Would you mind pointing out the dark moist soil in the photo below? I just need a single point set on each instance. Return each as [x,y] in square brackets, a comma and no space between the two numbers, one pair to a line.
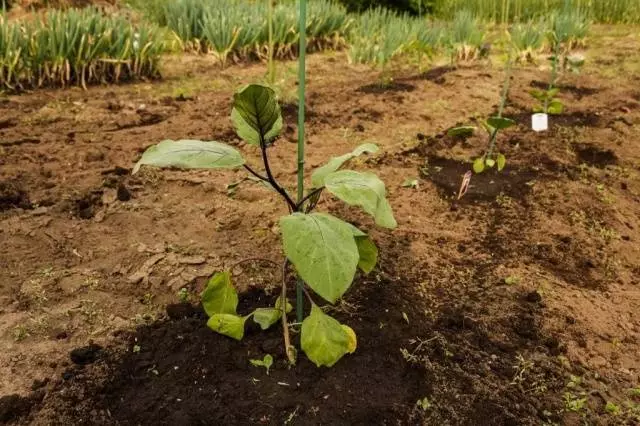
[178,372]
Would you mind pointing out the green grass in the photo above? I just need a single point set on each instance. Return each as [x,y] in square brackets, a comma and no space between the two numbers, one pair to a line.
[503,11]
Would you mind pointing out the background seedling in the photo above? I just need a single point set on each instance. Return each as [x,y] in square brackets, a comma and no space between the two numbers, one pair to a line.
[493,125]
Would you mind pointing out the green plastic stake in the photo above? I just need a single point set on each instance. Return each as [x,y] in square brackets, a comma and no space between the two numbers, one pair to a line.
[302,21]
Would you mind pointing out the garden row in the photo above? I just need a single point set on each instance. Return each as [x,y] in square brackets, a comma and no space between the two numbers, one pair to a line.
[82,46]
[86,46]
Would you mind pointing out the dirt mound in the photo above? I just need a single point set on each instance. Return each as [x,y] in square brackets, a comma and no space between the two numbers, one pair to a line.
[406,369]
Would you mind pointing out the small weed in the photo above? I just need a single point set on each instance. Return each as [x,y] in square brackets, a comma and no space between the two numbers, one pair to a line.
[20,332]
[410,183]
[512,280]
[504,201]
[574,403]
[423,403]
[183,295]
[612,408]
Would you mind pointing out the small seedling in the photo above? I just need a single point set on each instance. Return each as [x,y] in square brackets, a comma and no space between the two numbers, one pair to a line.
[492,125]
[410,183]
[265,362]
[423,403]
[183,295]
[136,349]
[548,102]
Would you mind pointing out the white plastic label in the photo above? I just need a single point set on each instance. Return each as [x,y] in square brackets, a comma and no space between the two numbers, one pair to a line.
[539,122]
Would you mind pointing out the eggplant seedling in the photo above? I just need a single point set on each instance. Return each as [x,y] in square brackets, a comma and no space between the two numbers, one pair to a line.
[324,250]
[493,126]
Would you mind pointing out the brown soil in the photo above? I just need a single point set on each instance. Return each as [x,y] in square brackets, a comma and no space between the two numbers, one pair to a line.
[91,256]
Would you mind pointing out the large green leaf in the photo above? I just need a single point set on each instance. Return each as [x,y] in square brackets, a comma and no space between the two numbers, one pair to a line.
[220,297]
[256,114]
[323,250]
[367,250]
[191,154]
[324,339]
[365,190]
[500,123]
[228,324]
[368,254]
[555,107]
[266,317]
[318,176]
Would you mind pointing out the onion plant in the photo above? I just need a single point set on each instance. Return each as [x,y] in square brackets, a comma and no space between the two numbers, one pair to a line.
[237,29]
[77,46]
[465,36]
[528,39]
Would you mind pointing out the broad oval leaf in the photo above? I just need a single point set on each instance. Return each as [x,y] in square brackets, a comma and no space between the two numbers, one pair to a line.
[318,176]
[190,154]
[256,114]
[368,254]
[490,162]
[323,250]
[266,317]
[500,123]
[220,297]
[555,107]
[228,324]
[324,339]
[501,160]
[367,250]
[540,95]
[478,165]
[365,190]
[552,92]
[461,131]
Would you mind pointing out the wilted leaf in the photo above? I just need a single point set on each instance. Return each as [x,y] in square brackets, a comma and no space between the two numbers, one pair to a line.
[266,317]
[324,339]
[190,154]
[228,324]
[256,114]
[365,190]
[323,250]
[220,297]
[318,176]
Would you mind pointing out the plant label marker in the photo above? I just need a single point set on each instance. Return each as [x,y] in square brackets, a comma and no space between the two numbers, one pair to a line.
[539,122]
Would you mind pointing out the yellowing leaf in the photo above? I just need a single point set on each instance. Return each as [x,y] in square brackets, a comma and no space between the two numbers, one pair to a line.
[478,165]
[228,324]
[220,297]
[502,161]
[324,339]
[353,340]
